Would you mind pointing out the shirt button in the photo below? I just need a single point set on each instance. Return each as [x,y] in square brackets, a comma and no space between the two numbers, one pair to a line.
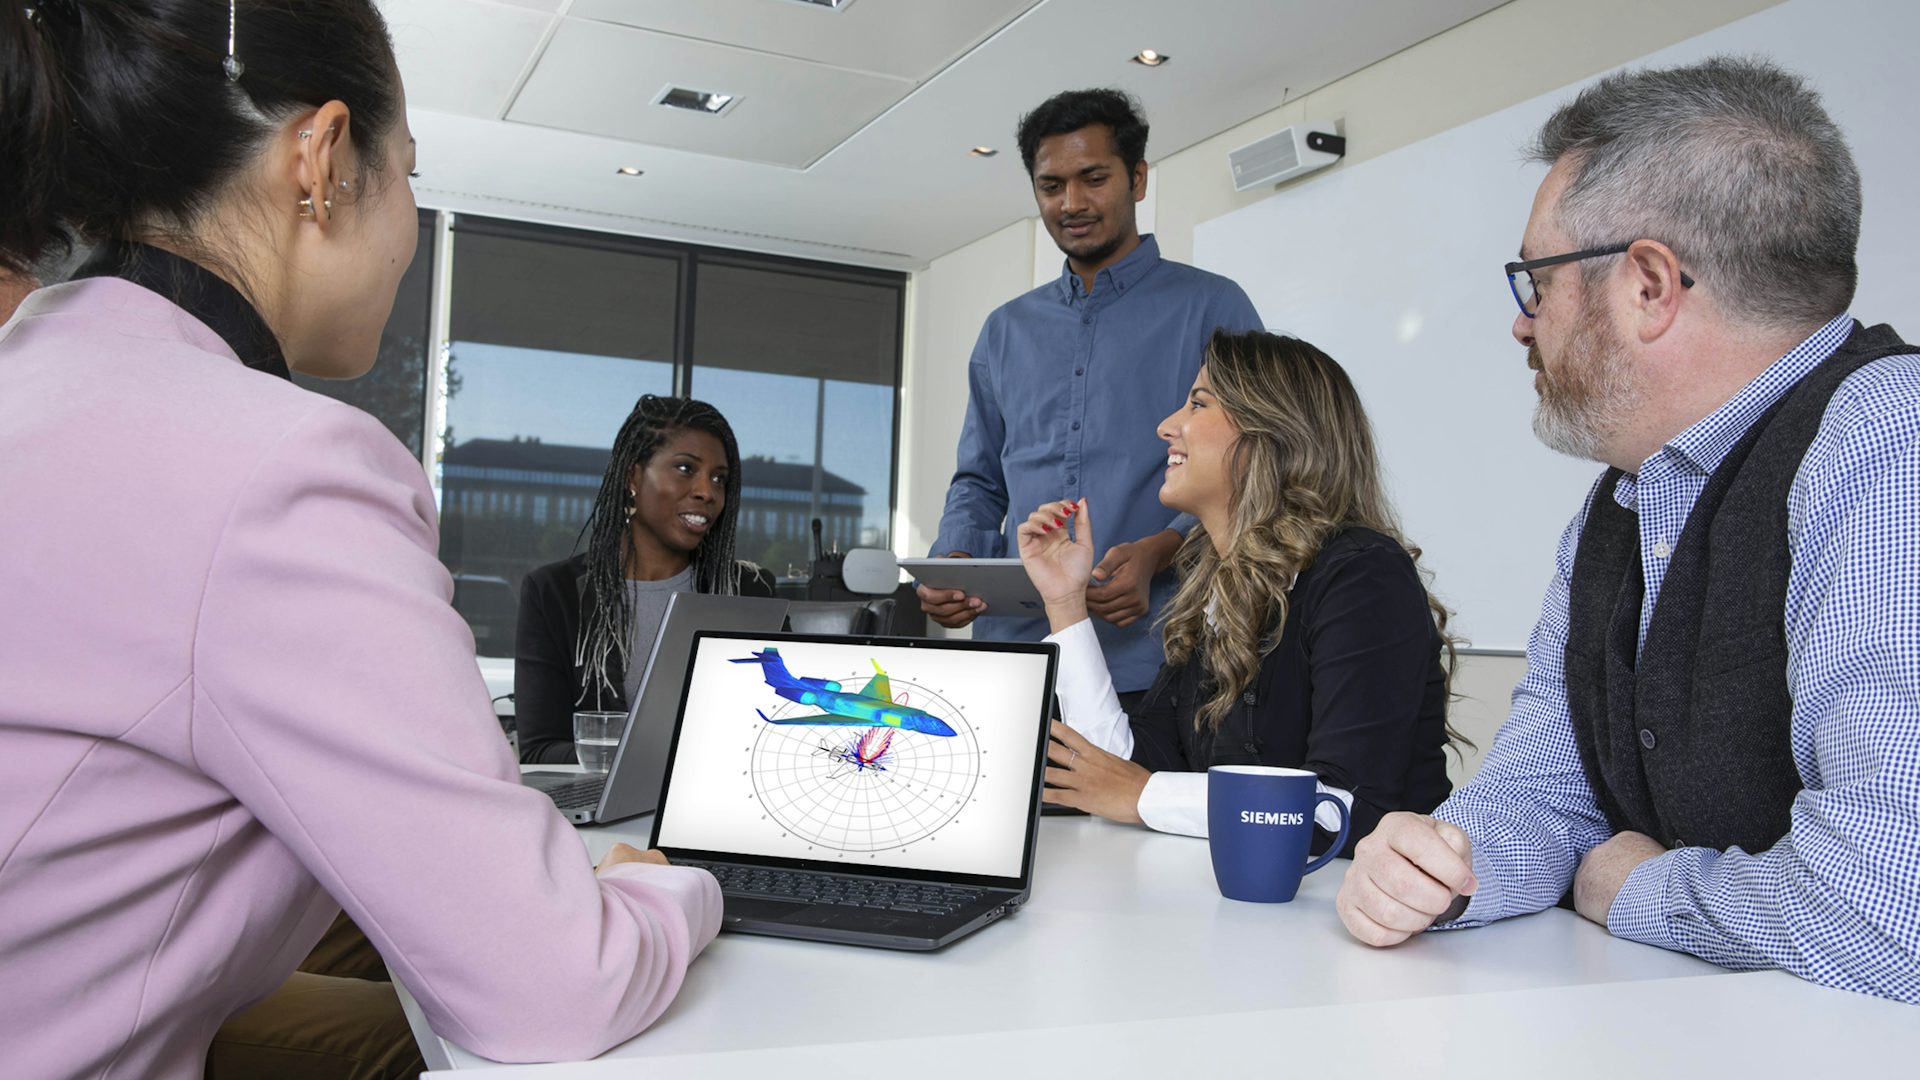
[1646,738]
[1073,479]
[1079,371]
[1662,549]
[1249,697]
[1076,425]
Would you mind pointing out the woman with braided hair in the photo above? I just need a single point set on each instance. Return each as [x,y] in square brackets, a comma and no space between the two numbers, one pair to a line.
[663,523]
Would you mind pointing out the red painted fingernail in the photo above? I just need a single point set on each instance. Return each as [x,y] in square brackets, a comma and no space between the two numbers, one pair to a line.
[1046,528]
[1059,521]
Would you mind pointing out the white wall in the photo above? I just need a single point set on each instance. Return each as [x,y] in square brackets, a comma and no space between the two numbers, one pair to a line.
[946,304]
[1509,55]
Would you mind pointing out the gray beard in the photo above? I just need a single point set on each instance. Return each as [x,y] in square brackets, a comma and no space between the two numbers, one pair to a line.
[1581,415]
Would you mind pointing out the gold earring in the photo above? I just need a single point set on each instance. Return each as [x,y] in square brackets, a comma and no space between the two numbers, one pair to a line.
[632,497]
[306,207]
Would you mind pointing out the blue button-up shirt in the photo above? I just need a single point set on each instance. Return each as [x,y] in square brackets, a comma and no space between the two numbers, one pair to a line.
[1837,900]
[1065,393]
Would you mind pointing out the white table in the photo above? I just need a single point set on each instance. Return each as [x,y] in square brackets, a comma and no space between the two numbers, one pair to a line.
[1127,956]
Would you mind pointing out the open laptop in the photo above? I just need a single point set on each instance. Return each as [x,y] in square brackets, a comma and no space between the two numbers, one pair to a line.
[868,790]
[631,785]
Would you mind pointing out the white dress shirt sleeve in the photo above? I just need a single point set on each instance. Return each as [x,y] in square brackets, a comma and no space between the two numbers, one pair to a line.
[1087,700]
[1172,802]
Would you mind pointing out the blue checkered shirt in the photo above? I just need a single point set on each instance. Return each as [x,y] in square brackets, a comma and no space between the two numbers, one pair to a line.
[1837,900]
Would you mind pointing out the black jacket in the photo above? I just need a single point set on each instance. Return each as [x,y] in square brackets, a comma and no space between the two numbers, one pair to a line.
[546,683]
[1354,690]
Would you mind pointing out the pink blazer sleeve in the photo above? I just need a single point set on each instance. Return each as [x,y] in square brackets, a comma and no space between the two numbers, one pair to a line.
[336,695]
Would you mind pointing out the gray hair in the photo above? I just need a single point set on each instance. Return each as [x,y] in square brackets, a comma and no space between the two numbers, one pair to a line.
[1735,165]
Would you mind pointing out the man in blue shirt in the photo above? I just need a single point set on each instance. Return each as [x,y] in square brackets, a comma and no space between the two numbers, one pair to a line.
[1068,383]
[1717,742]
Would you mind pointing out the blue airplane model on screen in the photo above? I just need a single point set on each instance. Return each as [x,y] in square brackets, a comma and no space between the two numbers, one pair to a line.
[872,707]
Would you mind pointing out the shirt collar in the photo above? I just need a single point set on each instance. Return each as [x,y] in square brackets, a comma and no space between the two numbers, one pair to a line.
[197,291]
[1117,278]
[1705,444]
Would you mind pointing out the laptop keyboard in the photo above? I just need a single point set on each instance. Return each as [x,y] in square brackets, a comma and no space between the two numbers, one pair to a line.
[799,886]
[582,794]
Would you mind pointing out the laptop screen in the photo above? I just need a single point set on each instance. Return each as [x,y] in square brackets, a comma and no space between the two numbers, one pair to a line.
[871,755]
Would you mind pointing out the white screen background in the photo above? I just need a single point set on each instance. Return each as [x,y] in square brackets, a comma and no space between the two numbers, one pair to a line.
[951,803]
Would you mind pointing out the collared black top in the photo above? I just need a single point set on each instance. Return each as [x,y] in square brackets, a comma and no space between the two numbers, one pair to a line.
[1353,691]
[554,604]
[199,292]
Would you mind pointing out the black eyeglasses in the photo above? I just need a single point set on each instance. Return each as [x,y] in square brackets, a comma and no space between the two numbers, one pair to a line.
[1526,292]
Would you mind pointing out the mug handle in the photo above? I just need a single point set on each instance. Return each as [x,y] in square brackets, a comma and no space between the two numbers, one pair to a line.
[1339,841]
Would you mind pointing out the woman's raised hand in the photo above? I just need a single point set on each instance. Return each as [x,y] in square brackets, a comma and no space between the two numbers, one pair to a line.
[1056,547]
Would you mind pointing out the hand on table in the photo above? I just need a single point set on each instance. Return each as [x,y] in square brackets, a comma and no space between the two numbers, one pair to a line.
[1406,874]
[1604,870]
[951,608]
[1088,778]
[626,853]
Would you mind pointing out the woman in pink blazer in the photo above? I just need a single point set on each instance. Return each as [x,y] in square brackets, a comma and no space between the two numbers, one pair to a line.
[233,697]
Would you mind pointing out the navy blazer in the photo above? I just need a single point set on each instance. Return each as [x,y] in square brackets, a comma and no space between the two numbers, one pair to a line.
[1354,690]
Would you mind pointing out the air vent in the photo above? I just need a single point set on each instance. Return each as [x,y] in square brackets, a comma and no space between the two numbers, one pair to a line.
[706,102]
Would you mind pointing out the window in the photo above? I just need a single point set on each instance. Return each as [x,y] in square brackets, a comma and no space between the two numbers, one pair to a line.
[395,391]
[555,333]
[809,383]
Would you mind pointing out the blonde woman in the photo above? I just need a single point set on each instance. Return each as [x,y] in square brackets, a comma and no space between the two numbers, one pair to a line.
[1302,634]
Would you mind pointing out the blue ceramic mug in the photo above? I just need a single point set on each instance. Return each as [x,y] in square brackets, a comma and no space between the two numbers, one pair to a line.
[1259,825]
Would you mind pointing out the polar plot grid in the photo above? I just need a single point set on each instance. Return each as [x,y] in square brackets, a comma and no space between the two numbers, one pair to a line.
[865,789]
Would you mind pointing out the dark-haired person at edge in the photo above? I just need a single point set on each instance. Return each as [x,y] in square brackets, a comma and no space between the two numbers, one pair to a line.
[249,704]
[1302,635]
[1716,746]
[663,523]
[1065,383]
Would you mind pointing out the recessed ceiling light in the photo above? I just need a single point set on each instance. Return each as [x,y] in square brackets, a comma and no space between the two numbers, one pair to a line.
[983,151]
[1149,58]
[711,102]
[627,170]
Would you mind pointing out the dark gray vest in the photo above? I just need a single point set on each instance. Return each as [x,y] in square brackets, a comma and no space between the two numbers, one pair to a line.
[1690,744]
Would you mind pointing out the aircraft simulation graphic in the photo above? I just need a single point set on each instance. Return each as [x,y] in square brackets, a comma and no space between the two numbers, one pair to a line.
[872,707]
[855,764]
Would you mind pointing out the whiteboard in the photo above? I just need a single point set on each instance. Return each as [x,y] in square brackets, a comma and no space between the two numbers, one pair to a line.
[1393,267]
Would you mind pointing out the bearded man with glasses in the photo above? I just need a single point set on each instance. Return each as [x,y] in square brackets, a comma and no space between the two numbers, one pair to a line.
[1716,747]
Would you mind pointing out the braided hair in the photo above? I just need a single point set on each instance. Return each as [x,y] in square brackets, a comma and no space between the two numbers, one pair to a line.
[609,528]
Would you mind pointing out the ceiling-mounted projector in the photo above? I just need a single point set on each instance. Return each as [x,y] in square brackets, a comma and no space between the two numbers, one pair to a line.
[1285,154]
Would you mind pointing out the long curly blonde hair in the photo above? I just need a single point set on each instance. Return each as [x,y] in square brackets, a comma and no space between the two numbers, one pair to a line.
[1303,468]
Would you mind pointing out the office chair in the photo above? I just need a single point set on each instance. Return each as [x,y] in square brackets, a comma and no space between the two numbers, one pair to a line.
[840,616]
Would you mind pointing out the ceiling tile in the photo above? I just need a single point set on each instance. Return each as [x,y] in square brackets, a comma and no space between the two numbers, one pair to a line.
[602,79]
[908,39]
[462,57]
[898,189]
